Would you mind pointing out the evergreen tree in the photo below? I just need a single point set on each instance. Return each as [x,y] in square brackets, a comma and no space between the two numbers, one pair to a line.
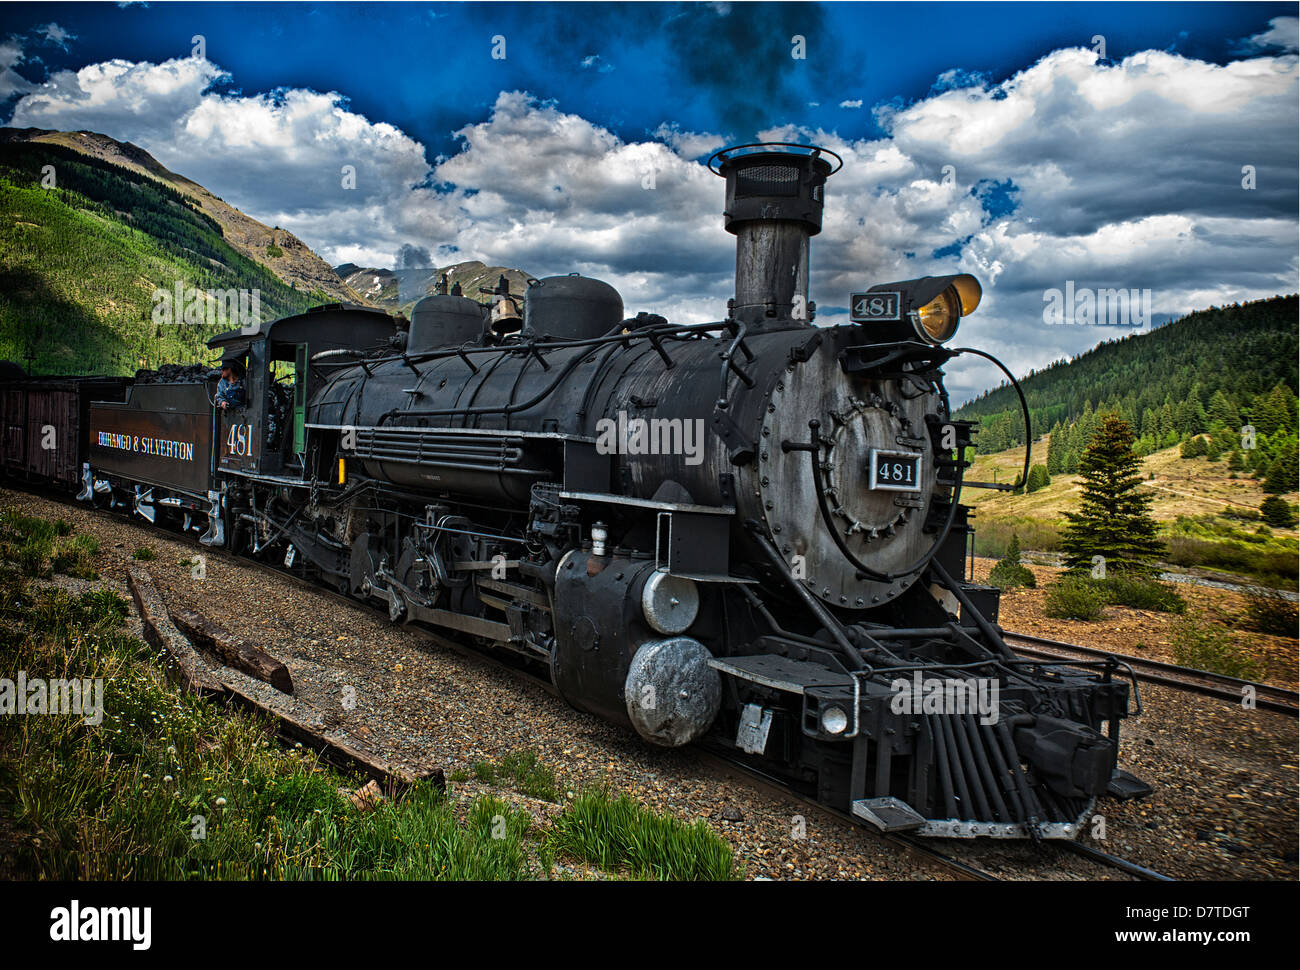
[1168,425]
[1008,572]
[1277,513]
[1235,463]
[1222,412]
[1149,424]
[1114,517]
[1038,478]
[1282,473]
[1055,452]
[1272,412]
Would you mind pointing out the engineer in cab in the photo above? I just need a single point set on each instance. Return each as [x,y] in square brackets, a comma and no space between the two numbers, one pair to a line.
[230,389]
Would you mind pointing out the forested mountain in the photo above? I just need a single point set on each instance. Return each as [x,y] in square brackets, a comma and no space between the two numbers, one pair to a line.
[279,250]
[1197,380]
[84,246]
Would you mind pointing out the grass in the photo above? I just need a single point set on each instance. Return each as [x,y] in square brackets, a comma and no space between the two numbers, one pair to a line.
[1202,646]
[172,787]
[40,548]
[1215,542]
[1267,611]
[618,834]
[125,799]
[1074,598]
[1274,566]
[993,536]
[1078,597]
[523,771]
[144,554]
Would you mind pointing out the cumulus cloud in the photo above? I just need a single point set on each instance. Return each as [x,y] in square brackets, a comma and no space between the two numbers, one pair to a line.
[1129,174]
[851,104]
[689,144]
[52,33]
[1283,32]
[11,82]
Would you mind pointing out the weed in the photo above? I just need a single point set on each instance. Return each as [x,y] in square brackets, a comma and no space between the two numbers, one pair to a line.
[621,834]
[1202,646]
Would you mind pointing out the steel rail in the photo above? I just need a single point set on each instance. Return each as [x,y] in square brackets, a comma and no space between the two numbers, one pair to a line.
[1267,696]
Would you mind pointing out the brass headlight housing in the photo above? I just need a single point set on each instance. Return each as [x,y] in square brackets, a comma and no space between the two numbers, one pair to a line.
[929,308]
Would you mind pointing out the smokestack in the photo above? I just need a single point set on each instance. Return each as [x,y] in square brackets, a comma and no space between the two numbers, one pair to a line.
[774,205]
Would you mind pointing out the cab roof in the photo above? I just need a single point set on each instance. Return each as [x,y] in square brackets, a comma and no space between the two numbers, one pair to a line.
[326,326]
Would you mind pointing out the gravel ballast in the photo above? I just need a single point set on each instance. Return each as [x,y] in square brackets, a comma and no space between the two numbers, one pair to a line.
[1224,806]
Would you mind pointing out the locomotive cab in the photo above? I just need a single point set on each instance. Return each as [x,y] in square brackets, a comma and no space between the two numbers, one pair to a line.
[267,437]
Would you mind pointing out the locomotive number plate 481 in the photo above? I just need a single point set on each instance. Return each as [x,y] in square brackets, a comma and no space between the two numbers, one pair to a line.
[894,471]
[874,307]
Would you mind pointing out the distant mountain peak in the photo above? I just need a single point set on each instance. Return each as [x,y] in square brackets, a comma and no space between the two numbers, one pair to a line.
[399,289]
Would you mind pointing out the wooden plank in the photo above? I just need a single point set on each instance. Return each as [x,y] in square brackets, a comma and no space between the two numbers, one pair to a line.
[234,651]
[392,779]
[183,662]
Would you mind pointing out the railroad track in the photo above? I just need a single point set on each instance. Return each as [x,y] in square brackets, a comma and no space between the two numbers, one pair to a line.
[1267,697]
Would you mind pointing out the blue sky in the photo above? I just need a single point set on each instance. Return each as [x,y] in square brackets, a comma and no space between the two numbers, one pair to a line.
[425,67]
[984,137]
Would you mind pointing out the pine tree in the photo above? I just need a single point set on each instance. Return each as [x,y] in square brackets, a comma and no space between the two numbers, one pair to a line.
[1008,572]
[1277,513]
[1272,411]
[1222,412]
[1281,477]
[1114,519]
[1055,451]
[1150,427]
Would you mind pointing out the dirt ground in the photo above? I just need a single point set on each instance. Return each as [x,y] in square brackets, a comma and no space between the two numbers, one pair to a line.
[1142,633]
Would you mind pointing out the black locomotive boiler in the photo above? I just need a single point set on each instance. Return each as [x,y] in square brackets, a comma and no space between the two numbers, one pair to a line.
[747,532]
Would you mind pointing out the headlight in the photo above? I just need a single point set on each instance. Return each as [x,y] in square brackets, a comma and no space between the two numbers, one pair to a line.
[929,308]
[834,720]
[937,320]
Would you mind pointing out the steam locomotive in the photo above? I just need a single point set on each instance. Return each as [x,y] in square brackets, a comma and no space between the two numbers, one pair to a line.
[746,532]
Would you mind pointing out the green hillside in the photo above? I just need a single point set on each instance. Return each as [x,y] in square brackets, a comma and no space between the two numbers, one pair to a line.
[1187,388]
[79,264]
[1221,364]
